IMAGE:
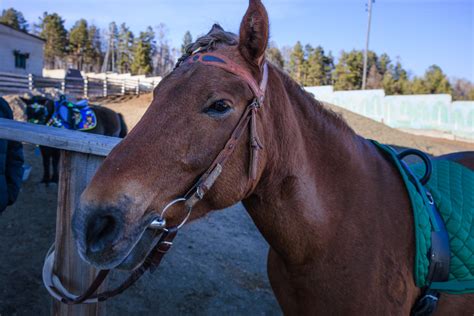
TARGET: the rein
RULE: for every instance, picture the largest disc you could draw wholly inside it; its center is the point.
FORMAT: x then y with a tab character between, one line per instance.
195	194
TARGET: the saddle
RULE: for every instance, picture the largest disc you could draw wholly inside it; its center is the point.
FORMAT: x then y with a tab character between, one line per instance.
442	201
77	116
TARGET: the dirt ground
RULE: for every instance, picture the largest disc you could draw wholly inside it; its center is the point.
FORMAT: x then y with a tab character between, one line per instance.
217	266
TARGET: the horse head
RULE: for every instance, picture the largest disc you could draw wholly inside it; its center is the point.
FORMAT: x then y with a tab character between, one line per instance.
38	109
194	112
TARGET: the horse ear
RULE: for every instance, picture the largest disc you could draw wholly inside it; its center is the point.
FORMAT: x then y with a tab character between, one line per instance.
254	30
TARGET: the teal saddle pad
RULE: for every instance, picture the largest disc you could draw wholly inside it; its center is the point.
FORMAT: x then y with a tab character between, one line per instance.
452	187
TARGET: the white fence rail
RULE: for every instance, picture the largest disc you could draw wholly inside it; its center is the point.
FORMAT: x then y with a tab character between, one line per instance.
78	87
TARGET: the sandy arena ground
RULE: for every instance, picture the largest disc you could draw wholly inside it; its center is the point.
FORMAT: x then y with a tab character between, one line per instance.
217	266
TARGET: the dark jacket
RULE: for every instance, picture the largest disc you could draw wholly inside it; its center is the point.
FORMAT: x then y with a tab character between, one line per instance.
11	164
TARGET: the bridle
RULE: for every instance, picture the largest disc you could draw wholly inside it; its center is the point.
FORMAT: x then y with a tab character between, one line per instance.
193	196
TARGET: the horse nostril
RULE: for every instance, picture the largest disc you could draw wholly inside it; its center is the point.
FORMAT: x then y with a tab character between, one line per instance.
101	233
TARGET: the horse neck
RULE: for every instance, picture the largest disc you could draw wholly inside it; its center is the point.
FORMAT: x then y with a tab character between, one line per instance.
316	171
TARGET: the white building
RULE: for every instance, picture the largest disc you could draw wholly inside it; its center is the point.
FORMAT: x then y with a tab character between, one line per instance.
20	52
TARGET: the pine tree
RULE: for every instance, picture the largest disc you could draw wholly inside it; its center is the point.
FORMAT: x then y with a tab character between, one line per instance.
418	86
314	67
297	63
319	67
328	62
143	52
52	29
125	47
308	51
389	82
79	43
401	76
436	81
433	82
187	40
15	19
383	64
396	81
348	71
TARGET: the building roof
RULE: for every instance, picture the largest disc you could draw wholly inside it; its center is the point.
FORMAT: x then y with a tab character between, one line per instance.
23	32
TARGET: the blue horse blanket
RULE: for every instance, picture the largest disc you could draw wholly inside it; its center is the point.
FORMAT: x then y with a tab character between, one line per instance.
79	116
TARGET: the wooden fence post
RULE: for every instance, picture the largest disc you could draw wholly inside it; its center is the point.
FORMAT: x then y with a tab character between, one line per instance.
77	170
86	87
137	90
123	86
105	86
30	82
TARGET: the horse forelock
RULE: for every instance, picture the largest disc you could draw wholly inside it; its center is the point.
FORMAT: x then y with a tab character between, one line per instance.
209	42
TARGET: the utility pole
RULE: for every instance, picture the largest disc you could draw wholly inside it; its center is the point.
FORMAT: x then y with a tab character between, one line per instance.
364	75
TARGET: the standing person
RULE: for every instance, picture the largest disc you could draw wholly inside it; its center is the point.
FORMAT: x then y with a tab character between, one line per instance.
11	164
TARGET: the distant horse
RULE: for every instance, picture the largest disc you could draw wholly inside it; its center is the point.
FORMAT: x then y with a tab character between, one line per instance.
333	208
40	110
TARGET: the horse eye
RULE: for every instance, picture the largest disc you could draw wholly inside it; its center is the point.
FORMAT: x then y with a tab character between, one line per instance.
218	107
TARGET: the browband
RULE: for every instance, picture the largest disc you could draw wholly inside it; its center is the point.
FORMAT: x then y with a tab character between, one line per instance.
221	61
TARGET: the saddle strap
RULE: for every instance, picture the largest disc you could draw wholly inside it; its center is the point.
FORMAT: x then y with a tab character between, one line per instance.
427	303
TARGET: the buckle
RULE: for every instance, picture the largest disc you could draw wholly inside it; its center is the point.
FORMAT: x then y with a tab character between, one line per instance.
426	304
255	104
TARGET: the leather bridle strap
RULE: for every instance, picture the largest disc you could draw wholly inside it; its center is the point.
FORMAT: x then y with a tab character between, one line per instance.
152	261
221	61
249	116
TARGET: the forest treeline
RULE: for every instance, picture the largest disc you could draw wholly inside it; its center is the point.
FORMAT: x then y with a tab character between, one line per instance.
86	47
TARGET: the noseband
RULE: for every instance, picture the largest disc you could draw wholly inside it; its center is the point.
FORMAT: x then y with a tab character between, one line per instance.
193	196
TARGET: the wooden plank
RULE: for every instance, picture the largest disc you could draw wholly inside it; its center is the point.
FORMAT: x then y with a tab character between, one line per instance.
11	89
57	137
74	79
47	80
76	172
47	85
8	74
13	85
8	79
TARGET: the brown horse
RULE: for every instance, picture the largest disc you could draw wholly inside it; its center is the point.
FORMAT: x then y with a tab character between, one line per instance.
333	209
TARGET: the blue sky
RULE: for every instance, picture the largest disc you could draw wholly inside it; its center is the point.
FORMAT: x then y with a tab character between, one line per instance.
420	32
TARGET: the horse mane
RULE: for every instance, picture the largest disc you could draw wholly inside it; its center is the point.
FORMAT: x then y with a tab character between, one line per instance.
217	36
324	114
